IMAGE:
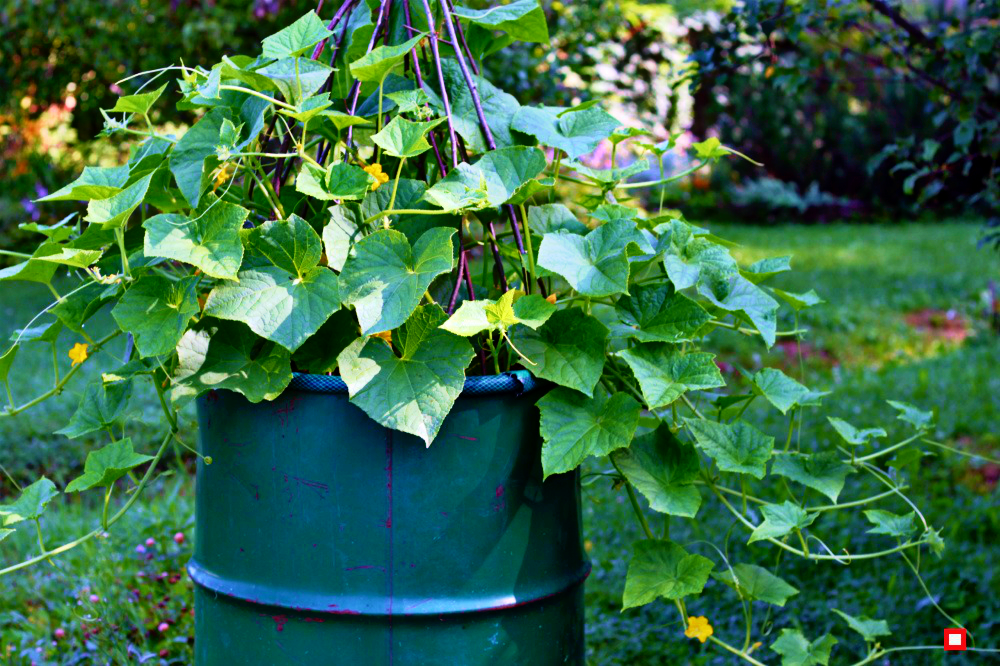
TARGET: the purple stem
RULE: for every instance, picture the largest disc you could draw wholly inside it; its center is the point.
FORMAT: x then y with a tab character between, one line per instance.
483	124
465	45
380	24
420	84
333	23
440	73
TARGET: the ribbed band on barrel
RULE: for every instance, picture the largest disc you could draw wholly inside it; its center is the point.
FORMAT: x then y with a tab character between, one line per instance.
514	382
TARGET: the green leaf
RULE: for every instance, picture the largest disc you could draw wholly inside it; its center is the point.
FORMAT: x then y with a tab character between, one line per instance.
348	181
745	297
796	650
93	183
79	306
298	38
319	353
823	471
869	629
405	138
156	311
311	108
756	583
767	268
781	519
4	533
665	374
291	244
386	278
569	349
106	465
576	133
188	158
114	211
277	305
498	107
913	415
712	149
574	428
296	78
341	233
409	100
854	436
30	504
102	406
378	62
779	389
890	524
661	568
799	302
656	313
140	103
209	241
550	218
735	447
494	180
662	468
414	391
6	361
523	20
596	264
311	181
473	317
228	356
67	256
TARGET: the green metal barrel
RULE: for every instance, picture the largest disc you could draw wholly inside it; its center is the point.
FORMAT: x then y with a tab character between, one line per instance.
324	538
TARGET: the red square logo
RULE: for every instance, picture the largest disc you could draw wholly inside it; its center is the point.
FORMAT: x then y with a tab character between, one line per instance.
954	639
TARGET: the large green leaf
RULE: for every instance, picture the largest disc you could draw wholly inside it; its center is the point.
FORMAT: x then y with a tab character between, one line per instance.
102	406
870	629
6	361
209	241
277	305
30	504
493	180
890	524
188	158
413	391
662	468
106	465
405	138
655	313
139	103
93	183
745	297
796	650
550	218
156	311
67	256
378	62
756	583
498	107
341	233
735	447
779	389
913	415
523	20
76	308
661	568
569	349
114	211
319	353
228	356
574	428
576	133
297	38
855	436
665	373
386	277
596	264
297	78
823	471
291	245
781	519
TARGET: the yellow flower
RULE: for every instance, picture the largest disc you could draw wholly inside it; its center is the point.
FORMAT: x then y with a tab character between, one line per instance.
375	170
698	627
222	175
78	354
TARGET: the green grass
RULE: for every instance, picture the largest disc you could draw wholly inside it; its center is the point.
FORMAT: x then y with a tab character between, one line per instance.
862	350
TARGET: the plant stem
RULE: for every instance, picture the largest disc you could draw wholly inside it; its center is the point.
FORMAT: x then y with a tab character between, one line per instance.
250	91
663	181
395	186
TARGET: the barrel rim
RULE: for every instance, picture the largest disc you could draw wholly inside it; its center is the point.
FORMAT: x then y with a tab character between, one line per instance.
514	382
320	602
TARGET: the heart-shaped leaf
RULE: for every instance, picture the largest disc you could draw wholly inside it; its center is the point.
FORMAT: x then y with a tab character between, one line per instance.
756	583
656	313
662	468
781	519
106	465
735	447
102	406
378	62
575	133
114	211
823	471
796	650
870	629
661	568
210	240
569	349
665	374
405	138
523	20
890	524
297	38
156	311
139	103
596	264
30	504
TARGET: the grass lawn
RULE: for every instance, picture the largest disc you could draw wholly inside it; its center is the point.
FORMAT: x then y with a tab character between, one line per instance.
904	320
